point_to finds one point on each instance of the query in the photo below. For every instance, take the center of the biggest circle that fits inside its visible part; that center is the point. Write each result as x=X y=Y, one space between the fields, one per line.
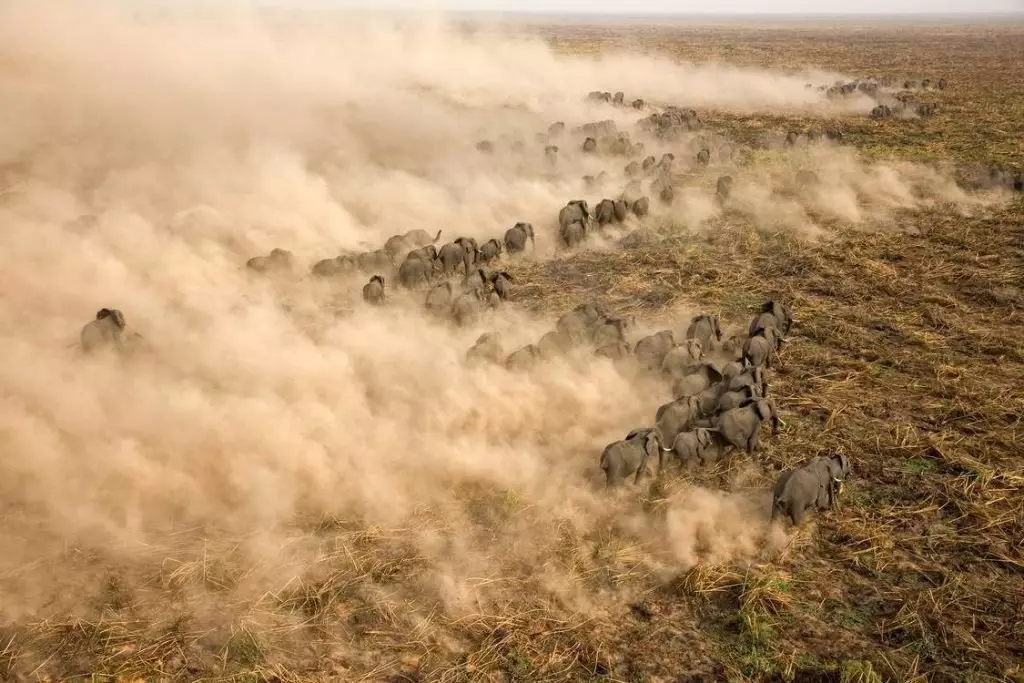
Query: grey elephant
x=486 y=349
x=747 y=376
x=574 y=210
x=516 y=236
x=331 y=267
x=648 y=164
x=477 y=280
x=279 y=259
x=723 y=188
x=590 y=145
x=814 y=485
x=378 y=260
x=666 y=162
x=704 y=328
x=615 y=350
x=604 y=212
x=619 y=98
x=471 y=251
x=698 y=448
x=761 y=349
x=556 y=129
x=524 y=359
x=439 y=298
x=415 y=271
x=572 y=234
x=554 y=343
x=651 y=350
x=642 y=206
x=734 y=398
x=501 y=283
x=697 y=379
x=742 y=426
x=632 y=169
x=630 y=456
x=677 y=416
x=667 y=194
x=467 y=307
x=396 y=245
x=621 y=210
x=489 y=251
x=638 y=104
x=106 y=330
x=373 y=291
x=772 y=314
x=451 y=256
x=577 y=323
x=704 y=157
x=682 y=358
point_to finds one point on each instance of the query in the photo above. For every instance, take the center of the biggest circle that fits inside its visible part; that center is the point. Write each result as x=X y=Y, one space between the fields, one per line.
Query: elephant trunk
x=776 y=422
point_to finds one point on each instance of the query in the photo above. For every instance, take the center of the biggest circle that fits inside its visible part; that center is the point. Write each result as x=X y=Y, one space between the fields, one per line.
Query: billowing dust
x=193 y=141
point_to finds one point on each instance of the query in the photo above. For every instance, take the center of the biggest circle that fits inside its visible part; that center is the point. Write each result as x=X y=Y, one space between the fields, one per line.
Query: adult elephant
x=451 y=256
x=415 y=271
x=704 y=328
x=813 y=485
x=575 y=210
x=106 y=331
x=631 y=455
x=572 y=234
x=516 y=236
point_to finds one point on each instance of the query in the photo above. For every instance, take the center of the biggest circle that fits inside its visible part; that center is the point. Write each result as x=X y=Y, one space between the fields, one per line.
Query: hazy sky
x=692 y=6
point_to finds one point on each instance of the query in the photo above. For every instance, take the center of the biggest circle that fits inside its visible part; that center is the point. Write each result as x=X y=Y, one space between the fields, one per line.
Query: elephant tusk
x=783 y=422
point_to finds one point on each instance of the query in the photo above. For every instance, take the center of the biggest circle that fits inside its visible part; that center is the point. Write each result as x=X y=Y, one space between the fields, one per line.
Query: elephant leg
x=796 y=514
x=752 y=441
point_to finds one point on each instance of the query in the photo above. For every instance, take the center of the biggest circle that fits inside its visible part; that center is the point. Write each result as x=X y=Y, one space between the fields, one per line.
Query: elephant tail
x=438 y=236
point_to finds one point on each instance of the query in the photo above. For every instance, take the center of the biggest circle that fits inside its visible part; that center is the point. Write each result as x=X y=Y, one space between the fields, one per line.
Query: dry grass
x=906 y=353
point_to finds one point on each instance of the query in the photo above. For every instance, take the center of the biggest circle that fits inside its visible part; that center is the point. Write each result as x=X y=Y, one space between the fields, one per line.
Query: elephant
x=500 y=281
x=515 y=237
x=621 y=210
x=590 y=145
x=327 y=267
x=761 y=348
x=791 y=138
x=642 y=206
x=439 y=298
x=574 y=210
x=373 y=291
x=698 y=448
x=702 y=328
x=486 y=349
x=772 y=314
x=748 y=377
x=471 y=249
x=554 y=343
x=556 y=128
x=638 y=104
x=485 y=146
x=681 y=358
x=815 y=484
x=604 y=212
x=609 y=330
x=632 y=169
x=677 y=416
x=489 y=251
x=648 y=164
x=806 y=178
x=525 y=358
x=616 y=350
x=374 y=261
x=418 y=237
x=741 y=426
x=619 y=98
x=451 y=256
x=577 y=323
x=942 y=84
x=724 y=188
x=572 y=234
x=734 y=398
x=105 y=331
x=467 y=306
x=551 y=153
x=414 y=271
x=702 y=376
x=630 y=455
x=477 y=281
x=651 y=350
x=279 y=259
x=666 y=162
x=428 y=253
x=667 y=194
x=704 y=157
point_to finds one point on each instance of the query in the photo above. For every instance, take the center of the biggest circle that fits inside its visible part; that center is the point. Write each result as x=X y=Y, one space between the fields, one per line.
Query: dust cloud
x=145 y=156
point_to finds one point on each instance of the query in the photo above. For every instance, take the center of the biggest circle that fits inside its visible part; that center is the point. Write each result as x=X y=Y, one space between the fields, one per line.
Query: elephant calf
x=373 y=291
x=741 y=426
x=699 y=447
x=105 y=331
x=815 y=484
x=630 y=455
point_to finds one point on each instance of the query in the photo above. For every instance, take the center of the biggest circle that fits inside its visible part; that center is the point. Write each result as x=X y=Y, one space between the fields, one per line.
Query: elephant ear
x=844 y=463
x=118 y=317
x=652 y=443
x=506 y=276
x=102 y=313
x=703 y=436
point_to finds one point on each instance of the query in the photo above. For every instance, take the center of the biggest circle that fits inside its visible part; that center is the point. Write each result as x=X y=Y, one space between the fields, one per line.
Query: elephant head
x=839 y=469
x=652 y=445
x=767 y=410
x=378 y=278
x=114 y=315
x=781 y=313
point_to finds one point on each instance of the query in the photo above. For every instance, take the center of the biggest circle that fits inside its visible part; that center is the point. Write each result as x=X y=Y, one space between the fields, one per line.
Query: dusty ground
x=906 y=353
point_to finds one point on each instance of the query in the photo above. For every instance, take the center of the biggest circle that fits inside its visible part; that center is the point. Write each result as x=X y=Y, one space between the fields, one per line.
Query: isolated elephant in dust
x=574 y=210
x=572 y=234
x=500 y=281
x=697 y=448
x=439 y=298
x=106 y=331
x=677 y=416
x=489 y=251
x=651 y=350
x=279 y=259
x=704 y=328
x=524 y=359
x=698 y=378
x=814 y=485
x=486 y=349
x=682 y=358
x=373 y=291
x=630 y=456
x=516 y=236
x=761 y=349
x=772 y=314
x=742 y=426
